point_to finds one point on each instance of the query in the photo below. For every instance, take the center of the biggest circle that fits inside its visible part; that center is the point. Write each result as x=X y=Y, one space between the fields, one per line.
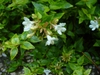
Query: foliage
x=59 y=35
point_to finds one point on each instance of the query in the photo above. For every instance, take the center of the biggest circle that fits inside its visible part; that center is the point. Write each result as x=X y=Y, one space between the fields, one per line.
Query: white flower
x=60 y=28
x=46 y=71
x=50 y=40
x=27 y=24
x=93 y=25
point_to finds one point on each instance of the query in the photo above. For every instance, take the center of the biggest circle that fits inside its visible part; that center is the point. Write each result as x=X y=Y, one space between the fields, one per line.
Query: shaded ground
x=3 y=67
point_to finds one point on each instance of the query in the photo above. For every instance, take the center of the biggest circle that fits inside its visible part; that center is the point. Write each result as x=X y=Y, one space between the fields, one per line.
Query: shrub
x=59 y=36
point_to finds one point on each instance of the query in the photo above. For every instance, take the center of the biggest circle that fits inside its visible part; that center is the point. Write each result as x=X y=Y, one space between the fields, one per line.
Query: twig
x=91 y=61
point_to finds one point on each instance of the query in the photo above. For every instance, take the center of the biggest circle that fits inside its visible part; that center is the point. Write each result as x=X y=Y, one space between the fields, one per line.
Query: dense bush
x=60 y=36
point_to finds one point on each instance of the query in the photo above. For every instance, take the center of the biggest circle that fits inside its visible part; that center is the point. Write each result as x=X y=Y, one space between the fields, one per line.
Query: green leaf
x=23 y=36
x=80 y=3
x=48 y=18
x=2 y=6
x=44 y=1
x=86 y=60
x=58 y=15
x=82 y=16
x=97 y=11
x=14 y=65
x=8 y=44
x=90 y=3
x=79 y=45
x=12 y=68
x=86 y=13
x=81 y=20
x=92 y=11
x=1 y=1
x=97 y=43
x=17 y=2
x=63 y=36
x=40 y=70
x=15 y=40
x=26 y=45
x=13 y=52
x=15 y=27
x=68 y=69
x=70 y=33
x=73 y=66
x=87 y=72
x=80 y=61
x=34 y=39
x=40 y=8
x=44 y=62
x=39 y=15
x=27 y=71
x=78 y=72
x=60 y=5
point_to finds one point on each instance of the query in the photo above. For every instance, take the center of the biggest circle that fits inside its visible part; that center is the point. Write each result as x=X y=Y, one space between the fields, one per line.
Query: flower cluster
x=50 y=40
x=59 y=28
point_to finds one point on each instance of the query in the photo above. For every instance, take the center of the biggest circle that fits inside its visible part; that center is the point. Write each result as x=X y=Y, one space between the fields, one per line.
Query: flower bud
x=30 y=35
x=34 y=27
x=34 y=16
x=49 y=32
x=55 y=21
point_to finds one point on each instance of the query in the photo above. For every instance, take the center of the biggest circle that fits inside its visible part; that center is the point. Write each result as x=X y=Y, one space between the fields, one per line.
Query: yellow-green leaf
x=15 y=40
x=27 y=71
x=26 y=45
x=13 y=53
x=87 y=72
x=80 y=61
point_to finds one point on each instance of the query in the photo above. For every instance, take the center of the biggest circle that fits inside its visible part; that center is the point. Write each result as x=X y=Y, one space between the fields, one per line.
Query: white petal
x=93 y=29
x=92 y=22
x=59 y=32
x=62 y=24
x=63 y=29
x=91 y=26
x=60 y=28
x=50 y=40
x=48 y=37
x=53 y=38
x=46 y=71
x=97 y=26
x=55 y=27
x=26 y=19
x=48 y=43
x=24 y=23
x=26 y=28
